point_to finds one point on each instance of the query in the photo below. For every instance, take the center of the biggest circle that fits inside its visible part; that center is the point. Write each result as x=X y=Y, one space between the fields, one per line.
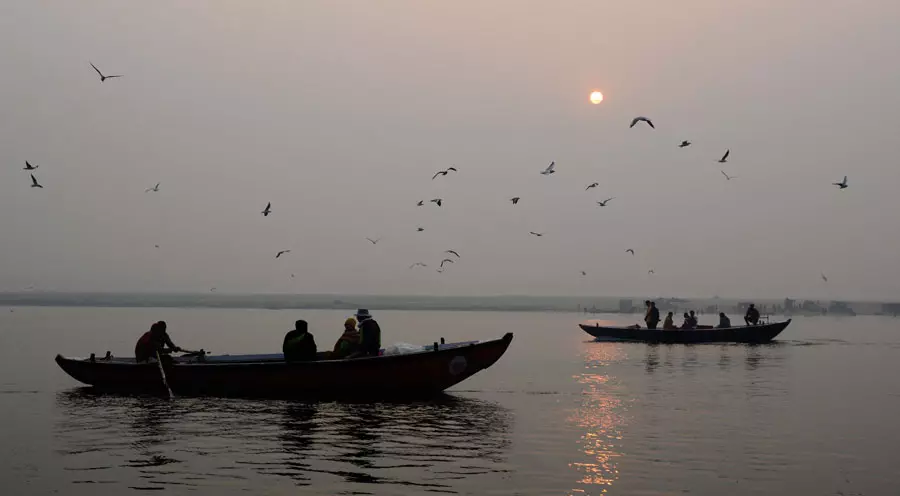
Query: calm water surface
x=815 y=413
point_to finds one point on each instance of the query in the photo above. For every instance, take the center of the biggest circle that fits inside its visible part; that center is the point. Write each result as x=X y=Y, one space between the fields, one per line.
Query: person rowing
x=154 y=343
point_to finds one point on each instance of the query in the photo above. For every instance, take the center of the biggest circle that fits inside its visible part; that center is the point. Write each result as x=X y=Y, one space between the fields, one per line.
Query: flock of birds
x=548 y=171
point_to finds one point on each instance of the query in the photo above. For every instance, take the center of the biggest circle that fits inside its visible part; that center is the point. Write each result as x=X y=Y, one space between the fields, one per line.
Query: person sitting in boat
x=724 y=321
x=694 y=321
x=348 y=343
x=669 y=323
x=369 y=334
x=652 y=317
x=752 y=315
x=687 y=321
x=299 y=345
x=154 y=341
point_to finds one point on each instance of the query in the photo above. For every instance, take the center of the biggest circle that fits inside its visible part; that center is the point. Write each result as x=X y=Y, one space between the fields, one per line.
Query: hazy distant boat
x=413 y=375
x=761 y=333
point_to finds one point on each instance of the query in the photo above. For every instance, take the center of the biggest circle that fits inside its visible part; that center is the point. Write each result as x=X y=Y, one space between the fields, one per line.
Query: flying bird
x=418 y=264
x=604 y=202
x=550 y=169
x=843 y=184
x=443 y=172
x=453 y=252
x=212 y=290
x=102 y=77
x=592 y=185
x=292 y=276
x=729 y=178
x=684 y=144
x=437 y=200
x=515 y=200
x=651 y=271
x=440 y=271
x=29 y=166
x=282 y=252
x=824 y=278
x=725 y=157
x=536 y=234
x=156 y=246
x=34 y=183
x=446 y=260
x=268 y=210
x=420 y=203
x=630 y=251
x=420 y=229
x=639 y=119
x=583 y=273
x=374 y=241
x=155 y=188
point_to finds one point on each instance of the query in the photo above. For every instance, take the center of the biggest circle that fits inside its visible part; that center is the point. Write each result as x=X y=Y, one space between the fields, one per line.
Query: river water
x=814 y=413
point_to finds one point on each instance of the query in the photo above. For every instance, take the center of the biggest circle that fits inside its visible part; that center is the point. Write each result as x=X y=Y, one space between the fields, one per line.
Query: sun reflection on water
x=600 y=419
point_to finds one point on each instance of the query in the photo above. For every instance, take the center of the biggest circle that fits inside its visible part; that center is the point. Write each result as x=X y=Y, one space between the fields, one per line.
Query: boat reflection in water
x=600 y=419
x=154 y=443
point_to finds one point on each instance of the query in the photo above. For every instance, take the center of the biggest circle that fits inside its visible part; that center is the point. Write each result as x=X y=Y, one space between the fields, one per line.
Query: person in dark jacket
x=652 y=317
x=752 y=315
x=348 y=343
x=369 y=334
x=154 y=341
x=724 y=321
x=299 y=345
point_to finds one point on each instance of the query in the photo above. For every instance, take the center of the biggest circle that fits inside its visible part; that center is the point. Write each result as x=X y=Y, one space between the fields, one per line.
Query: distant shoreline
x=412 y=302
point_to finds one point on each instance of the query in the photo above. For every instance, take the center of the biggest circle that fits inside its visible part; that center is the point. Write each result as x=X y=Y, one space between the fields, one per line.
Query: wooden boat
x=418 y=374
x=761 y=333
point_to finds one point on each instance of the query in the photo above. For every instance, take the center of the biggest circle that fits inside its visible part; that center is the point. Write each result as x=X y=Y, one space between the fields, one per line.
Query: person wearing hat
x=299 y=345
x=369 y=334
x=154 y=341
x=348 y=343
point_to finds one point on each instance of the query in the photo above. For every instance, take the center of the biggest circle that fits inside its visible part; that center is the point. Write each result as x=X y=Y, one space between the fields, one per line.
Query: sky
x=339 y=113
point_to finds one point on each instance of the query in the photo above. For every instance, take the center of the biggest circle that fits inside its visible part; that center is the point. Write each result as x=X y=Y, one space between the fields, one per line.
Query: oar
x=162 y=372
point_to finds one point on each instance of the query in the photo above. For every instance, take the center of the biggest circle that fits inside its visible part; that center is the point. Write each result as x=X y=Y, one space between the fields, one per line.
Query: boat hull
x=762 y=333
x=421 y=374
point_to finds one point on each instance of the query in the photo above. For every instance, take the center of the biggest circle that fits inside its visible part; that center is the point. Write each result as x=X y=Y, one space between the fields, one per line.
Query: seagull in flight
x=282 y=252
x=536 y=233
x=418 y=264
x=592 y=185
x=268 y=210
x=684 y=144
x=604 y=202
x=156 y=246
x=550 y=169
x=651 y=271
x=843 y=184
x=102 y=77
x=420 y=229
x=824 y=278
x=729 y=178
x=443 y=172
x=212 y=289
x=437 y=200
x=374 y=241
x=515 y=200
x=583 y=273
x=639 y=119
x=630 y=251
x=29 y=166
x=725 y=157
x=34 y=183
x=446 y=260
x=420 y=203
x=440 y=271
x=453 y=252
x=154 y=189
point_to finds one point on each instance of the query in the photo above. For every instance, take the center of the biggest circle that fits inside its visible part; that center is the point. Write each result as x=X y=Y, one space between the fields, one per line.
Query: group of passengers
x=651 y=318
x=361 y=337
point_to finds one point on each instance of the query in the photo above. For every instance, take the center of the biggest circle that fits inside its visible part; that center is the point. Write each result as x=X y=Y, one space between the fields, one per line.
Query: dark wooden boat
x=414 y=375
x=761 y=333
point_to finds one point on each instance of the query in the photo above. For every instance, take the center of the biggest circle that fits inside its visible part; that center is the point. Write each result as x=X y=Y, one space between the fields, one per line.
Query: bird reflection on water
x=144 y=442
x=600 y=419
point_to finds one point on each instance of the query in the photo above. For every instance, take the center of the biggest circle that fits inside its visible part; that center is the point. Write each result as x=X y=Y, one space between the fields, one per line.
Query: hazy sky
x=339 y=112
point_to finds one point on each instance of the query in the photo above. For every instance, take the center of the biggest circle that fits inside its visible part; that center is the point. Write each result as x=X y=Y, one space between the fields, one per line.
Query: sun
x=596 y=97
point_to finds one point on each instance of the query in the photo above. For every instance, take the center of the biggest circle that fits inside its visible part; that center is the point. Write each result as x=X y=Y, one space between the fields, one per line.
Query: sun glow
x=596 y=97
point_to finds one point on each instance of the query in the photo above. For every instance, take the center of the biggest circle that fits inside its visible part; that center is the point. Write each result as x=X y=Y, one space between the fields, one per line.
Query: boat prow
x=413 y=375
x=761 y=333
